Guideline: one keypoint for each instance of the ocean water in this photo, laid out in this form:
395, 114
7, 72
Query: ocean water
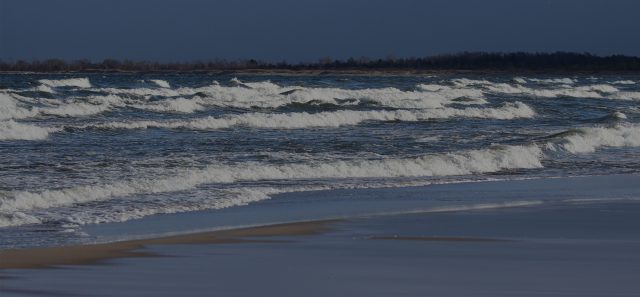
84, 149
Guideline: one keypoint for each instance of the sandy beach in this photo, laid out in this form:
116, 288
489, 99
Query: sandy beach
572, 247
476, 253
94, 253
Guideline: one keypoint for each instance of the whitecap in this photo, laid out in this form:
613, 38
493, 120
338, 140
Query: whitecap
70, 82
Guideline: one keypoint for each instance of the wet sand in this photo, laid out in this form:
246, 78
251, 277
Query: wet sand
572, 249
94, 253
573, 245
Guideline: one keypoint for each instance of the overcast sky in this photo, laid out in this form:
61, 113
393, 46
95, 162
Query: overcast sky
298, 30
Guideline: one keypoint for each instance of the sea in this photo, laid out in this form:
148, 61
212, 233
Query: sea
83, 150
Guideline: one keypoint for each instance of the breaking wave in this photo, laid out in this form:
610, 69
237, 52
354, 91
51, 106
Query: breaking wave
326, 119
70, 82
15, 206
462, 163
599, 91
10, 109
493, 159
181, 105
587, 140
624, 82
161, 83
566, 81
269, 95
11, 130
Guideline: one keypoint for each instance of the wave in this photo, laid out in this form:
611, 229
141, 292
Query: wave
44, 89
17, 218
325, 119
465, 82
624, 82
70, 82
566, 81
617, 115
180, 105
19, 207
75, 109
219, 200
11, 130
462, 163
266, 94
161, 83
10, 109
599, 91
611, 118
519, 80
563, 87
587, 140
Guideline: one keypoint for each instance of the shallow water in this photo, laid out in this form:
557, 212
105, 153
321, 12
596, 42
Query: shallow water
98, 148
584, 249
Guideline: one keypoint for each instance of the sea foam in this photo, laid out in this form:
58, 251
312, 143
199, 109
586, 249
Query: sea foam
460, 163
70, 82
326, 119
11, 130
161, 83
266, 94
587, 140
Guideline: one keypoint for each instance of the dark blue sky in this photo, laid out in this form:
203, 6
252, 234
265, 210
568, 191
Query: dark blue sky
182, 30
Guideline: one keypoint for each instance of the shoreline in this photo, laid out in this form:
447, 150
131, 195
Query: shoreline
567, 249
45, 257
223, 227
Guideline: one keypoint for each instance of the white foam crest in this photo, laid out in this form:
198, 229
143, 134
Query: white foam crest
161, 83
276, 97
45, 89
447, 94
619, 115
9, 108
222, 199
70, 82
565, 81
599, 91
75, 109
326, 119
11, 130
624, 82
263, 85
16, 219
519, 80
462, 163
602, 88
625, 95
465, 82
269, 95
181, 105
145, 92
587, 140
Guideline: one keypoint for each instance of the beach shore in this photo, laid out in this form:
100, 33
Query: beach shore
579, 239
578, 249
94, 253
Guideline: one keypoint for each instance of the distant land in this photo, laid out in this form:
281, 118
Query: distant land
465, 61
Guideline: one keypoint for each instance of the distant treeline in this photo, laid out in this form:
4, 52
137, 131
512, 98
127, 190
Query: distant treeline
519, 61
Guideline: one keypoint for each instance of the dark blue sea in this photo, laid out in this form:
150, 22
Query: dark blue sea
81, 150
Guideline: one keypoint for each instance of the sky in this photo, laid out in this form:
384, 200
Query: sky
299, 30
